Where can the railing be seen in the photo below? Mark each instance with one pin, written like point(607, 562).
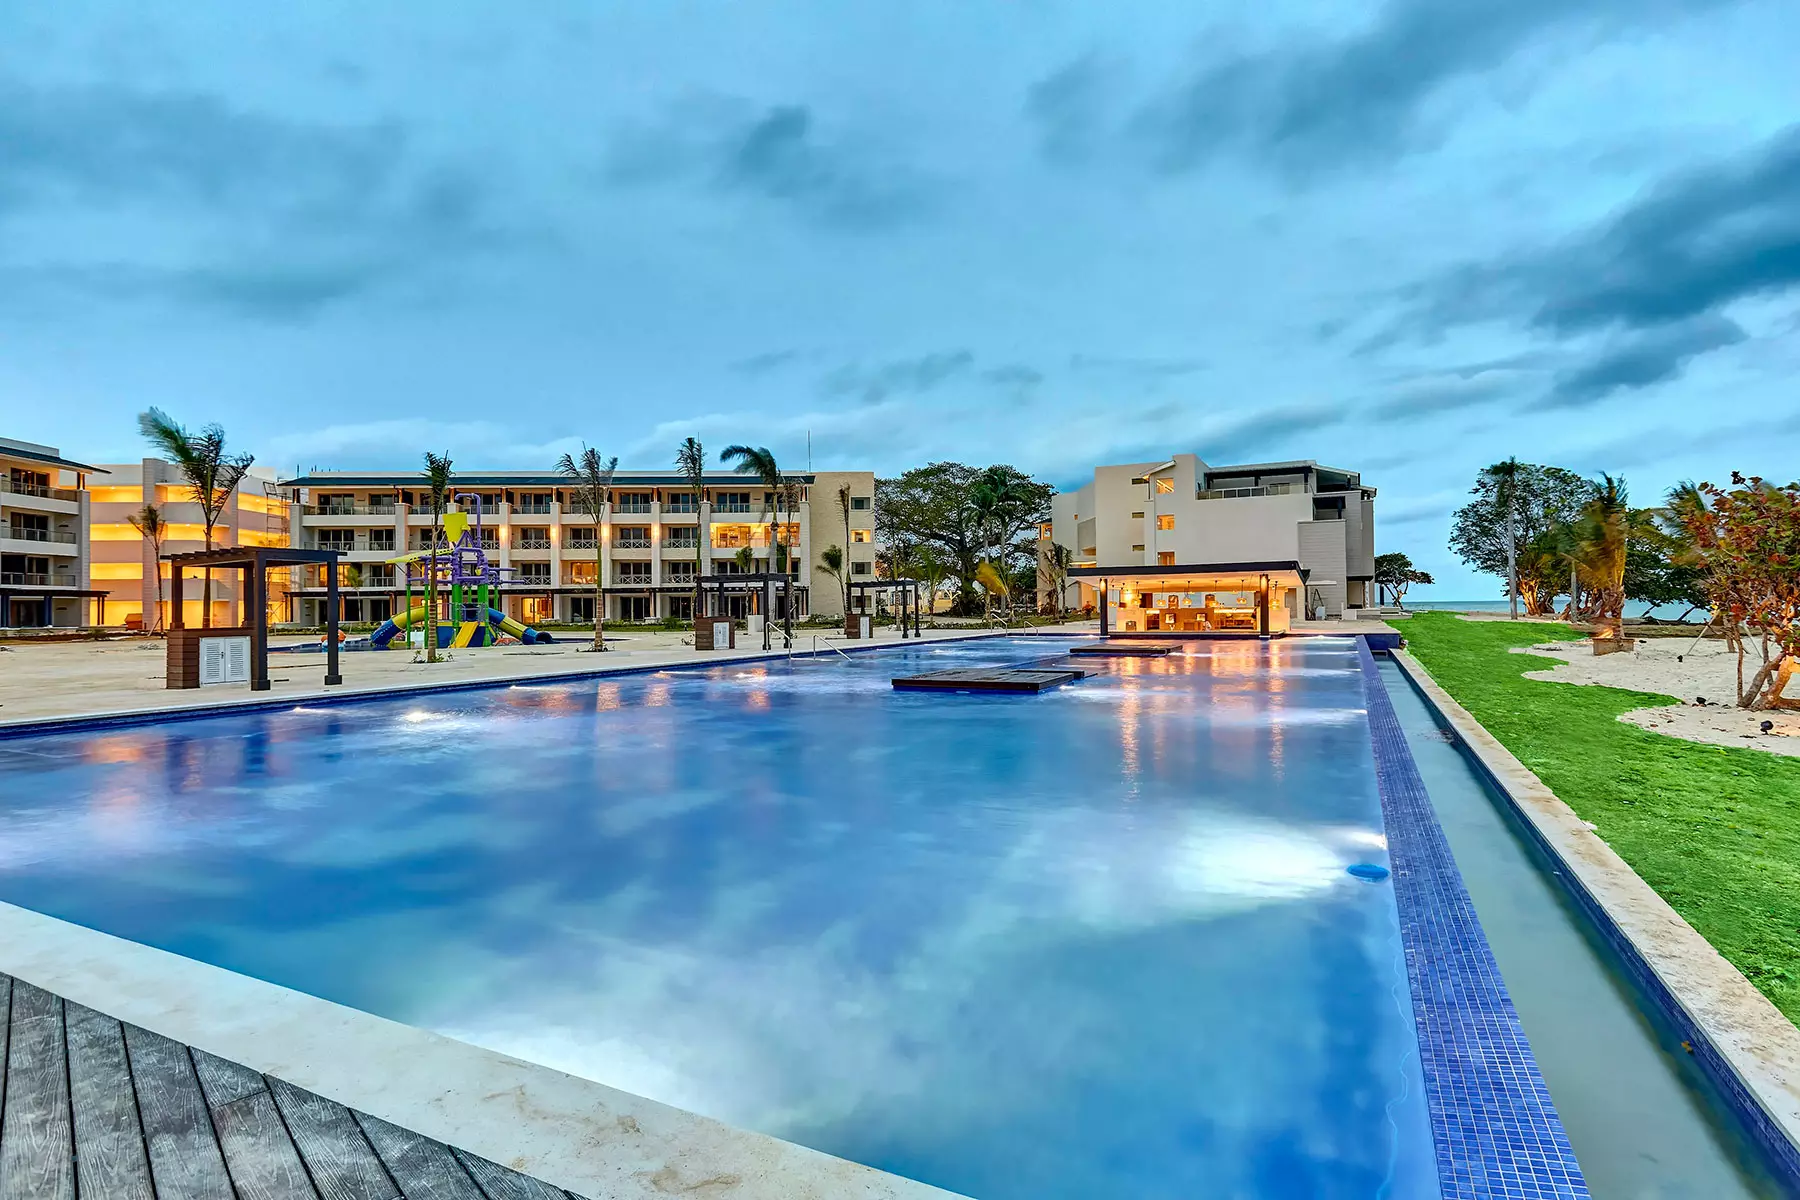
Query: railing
point(38, 579)
point(680, 508)
point(623, 578)
point(532, 508)
point(639, 508)
point(39, 490)
point(350, 545)
point(536, 580)
point(354, 508)
point(21, 533)
point(580, 544)
point(1273, 489)
point(531, 543)
point(731, 508)
point(631, 543)
point(681, 544)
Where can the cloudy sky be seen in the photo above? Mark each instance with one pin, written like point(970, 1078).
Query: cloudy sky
point(1408, 238)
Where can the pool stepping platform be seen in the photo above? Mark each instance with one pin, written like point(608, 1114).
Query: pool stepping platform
point(1119, 650)
point(1029, 680)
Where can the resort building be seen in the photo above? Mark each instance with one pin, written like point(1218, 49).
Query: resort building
point(1187, 535)
point(43, 537)
point(125, 562)
point(651, 534)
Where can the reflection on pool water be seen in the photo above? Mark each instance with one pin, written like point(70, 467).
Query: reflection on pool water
point(1099, 942)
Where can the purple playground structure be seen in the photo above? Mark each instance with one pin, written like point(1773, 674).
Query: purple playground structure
point(473, 583)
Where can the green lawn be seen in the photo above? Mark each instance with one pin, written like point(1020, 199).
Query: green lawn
point(1715, 830)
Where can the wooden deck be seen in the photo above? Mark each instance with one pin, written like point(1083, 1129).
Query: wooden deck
point(92, 1108)
point(990, 679)
point(1118, 650)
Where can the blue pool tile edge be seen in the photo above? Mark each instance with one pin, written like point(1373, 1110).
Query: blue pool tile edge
point(1496, 1131)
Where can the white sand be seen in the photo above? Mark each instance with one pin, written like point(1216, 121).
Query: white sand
point(1710, 670)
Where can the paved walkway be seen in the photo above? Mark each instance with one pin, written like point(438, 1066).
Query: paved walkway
point(92, 1108)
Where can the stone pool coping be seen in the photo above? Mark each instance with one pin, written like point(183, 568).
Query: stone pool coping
point(568, 1131)
point(1745, 1045)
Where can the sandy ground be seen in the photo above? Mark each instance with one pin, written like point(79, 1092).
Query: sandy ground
point(1710, 670)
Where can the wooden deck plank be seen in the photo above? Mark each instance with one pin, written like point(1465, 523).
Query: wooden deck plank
point(989, 679)
point(184, 1151)
point(109, 1141)
point(504, 1183)
point(424, 1169)
point(37, 1142)
point(343, 1164)
point(258, 1152)
point(224, 1082)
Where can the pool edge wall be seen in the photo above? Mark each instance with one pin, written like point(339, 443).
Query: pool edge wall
point(1738, 1036)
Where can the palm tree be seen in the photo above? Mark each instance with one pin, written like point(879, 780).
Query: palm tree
point(149, 524)
point(1601, 537)
point(1057, 560)
point(760, 462)
point(211, 474)
point(1506, 479)
point(591, 477)
point(843, 499)
point(690, 461)
point(831, 562)
point(437, 487)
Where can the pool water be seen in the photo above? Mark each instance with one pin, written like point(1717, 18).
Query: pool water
point(1098, 942)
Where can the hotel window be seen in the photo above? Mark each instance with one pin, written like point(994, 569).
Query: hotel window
point(680, 502)
point(1138, 549)
point(860, 535)
point(1137, 516)
point(862, 568)
point(1165, 558)
point(1165, 522)
point(859, 503)
point(1165, 486)
point(1138, 479)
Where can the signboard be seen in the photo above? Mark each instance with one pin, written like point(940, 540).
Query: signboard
point(721, 638)
point(224, 660)
point(865, 625)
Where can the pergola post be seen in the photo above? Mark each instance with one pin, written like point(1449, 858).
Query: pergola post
point(918, 599)
point(175, 604)
point(1105, 599)
point(331, 623)
point(256, 588)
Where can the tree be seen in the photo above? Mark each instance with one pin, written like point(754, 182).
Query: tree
point(760, 462)
point(1602, 536)
point(211, 475)
point(1747, 540)
point(1506, 485)
point(149, 524)
point(843, 499)
point(437, 488)
point(831, 562)
point(690, 461)
point(1395, 573)
point(1535, 502)
point(1655, 575)
point(939, 506)
point(1054, 561)
point(590, 478)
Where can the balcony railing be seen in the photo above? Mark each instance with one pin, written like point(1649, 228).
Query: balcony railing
point(580, 543)
point(1273, 489)
point(38, 578)
point(681, 544)
point(631, 580)
point(531, 508)
point(350, 545)
point(39, 490)
point(24, 534)
point(631, 543)
point(354, 508)
point(640, 507)
point(531, 543)
point(541, 579)
point(729, 507)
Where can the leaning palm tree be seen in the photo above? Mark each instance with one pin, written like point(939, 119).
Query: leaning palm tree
point(1601, 536)
point(149, 524)
point(690, 462)
point(591, 477)
point(211, 474)
point(831, 562)
point(760, 462)
point(437, 487)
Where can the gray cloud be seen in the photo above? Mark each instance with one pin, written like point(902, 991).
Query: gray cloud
point(764, 363)
point(1690, 245)
point(775, 154)
point(1134, 368)
point(1066, 107)
point(1307, 106)
point(913, 376)
point(1640, 359)
point(293, 217)
point(1018, 375)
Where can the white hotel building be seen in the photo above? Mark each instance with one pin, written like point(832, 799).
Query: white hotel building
point(546, 544)
point(1198, 519)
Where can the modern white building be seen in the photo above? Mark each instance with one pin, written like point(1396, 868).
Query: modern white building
point(43, 538)
point(124, 561)
point(1200, 519)
point(651, 541)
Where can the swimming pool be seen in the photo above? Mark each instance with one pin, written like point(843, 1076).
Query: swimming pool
point(1099, 942)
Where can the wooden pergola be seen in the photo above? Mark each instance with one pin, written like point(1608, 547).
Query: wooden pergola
point(254, 562)
point(909, 600)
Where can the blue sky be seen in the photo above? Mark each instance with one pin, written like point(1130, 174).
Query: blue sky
point(1407, 238)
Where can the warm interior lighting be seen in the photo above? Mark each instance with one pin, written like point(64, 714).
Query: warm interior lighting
point(115, 570)
point(116, 495)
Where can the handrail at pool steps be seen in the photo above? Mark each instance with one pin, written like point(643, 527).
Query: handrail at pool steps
point(1744, 1045)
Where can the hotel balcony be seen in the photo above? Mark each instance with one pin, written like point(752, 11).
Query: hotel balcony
point(20, 540)
point(38, 497)
point(39, 578)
